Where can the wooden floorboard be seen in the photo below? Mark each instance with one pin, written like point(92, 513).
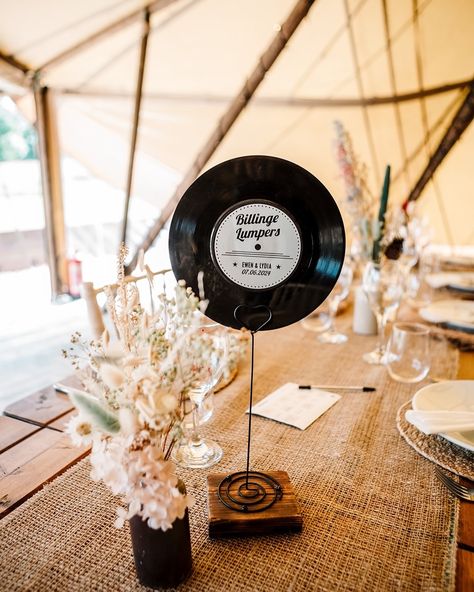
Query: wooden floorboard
point(28, 466)
point(44, 406)
point(13, 431)
point(464, 571)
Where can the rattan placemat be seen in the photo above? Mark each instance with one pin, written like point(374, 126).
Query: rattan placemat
point(436, 448)
point(375, 517)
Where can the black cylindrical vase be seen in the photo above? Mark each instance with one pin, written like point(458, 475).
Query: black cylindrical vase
point(162, 558)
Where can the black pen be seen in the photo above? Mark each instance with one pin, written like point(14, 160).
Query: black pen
point(364, 389)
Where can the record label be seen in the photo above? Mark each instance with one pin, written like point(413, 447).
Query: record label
point(256, 245)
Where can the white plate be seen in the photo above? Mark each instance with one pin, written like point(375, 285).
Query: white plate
point(460, 280)
point(458, 312)
point(452, 395)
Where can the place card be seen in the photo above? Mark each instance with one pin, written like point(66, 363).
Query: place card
point(295, 407)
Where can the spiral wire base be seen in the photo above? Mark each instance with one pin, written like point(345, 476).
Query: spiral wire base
point(249, 491)
point(246, 491)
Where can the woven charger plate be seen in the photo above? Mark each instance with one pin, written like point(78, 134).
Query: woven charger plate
point(436, 448)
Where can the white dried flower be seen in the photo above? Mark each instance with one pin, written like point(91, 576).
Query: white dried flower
point(112, 376)
point(128, 422)
point(138, 382)
point(80, 431)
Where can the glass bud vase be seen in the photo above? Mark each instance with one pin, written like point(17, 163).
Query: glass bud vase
point(162, 558)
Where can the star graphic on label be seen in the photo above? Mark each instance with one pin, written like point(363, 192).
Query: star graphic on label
point(278, 266)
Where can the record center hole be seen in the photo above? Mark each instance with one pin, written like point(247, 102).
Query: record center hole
point(258, 247)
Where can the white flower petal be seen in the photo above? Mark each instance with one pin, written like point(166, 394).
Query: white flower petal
point(112, 375)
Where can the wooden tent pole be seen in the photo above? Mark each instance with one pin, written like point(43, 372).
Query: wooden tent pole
point(238, 104)
point(129, 19)
point(15, 76)
point(48, 147)
point(14, 63)
point(279, 101)
point(136, 121)
point(458, 125)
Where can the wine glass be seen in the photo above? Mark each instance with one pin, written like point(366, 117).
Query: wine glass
point(383, 285)
point(409, 352)
point(339, 293)
point(202, 359)
point(318, 321)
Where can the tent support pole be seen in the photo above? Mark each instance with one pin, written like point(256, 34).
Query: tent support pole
point(458, 125)
point(48, 147)
point(14, 63)
point(118, 25)
point(136, 121)
point(238, 104)
point(280, 101)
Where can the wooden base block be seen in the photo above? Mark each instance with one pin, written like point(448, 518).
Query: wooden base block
point(283, 516)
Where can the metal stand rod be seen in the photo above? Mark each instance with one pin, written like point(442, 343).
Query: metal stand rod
point(252, 339)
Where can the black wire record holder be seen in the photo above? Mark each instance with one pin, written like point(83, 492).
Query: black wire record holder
point(250, 491)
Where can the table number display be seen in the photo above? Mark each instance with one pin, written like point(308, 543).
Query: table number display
point(267, 241)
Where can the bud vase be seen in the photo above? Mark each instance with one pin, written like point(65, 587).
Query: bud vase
point(162, 558)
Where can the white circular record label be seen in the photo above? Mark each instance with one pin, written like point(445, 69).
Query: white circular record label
point(256, 245)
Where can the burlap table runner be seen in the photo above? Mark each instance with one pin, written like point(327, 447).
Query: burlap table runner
point(375, 517)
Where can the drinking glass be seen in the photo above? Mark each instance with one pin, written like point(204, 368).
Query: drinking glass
point(203, 358)
point(409, 352)
point(317, 321)
point(339, 293)
point(383, 285)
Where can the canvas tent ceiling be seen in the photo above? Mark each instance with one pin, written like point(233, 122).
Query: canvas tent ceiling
point(199, 54)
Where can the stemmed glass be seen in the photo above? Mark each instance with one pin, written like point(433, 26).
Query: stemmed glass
point(203, 356)
point(383, 285)
point(318, 320)
point(339, 293)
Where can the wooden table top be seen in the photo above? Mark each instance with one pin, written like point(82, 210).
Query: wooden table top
point(33, 455)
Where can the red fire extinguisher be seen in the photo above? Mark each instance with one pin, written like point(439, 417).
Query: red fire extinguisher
point(74, 275)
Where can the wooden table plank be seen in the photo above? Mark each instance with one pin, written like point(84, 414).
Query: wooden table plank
point(465, 553)
point(464, 571)
point(466, 523)
point(45, 405)
point(27, 450)
point(13, 431)
point(32, 463)
point(60, 424)
point(466, 366)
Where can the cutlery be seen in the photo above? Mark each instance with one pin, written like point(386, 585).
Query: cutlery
point(61, 388)
point(457, 489)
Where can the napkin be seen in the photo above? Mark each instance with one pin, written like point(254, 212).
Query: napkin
point(295, 407)
point(439, 280)
point(440, 422)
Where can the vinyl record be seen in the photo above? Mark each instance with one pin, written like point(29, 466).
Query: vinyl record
point(266, 234)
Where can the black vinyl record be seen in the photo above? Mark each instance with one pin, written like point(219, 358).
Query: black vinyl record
point(266, 234)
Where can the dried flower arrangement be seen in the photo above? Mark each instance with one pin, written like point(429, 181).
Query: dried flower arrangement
point(360, 204)
point(375, 234)
point(133, 408)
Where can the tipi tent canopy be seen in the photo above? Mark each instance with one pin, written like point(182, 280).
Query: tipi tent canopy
point(397, 74)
